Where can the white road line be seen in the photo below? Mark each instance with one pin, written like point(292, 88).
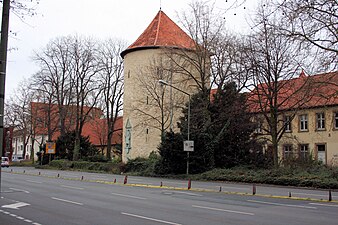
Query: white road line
point(33, 181)
point(128, 196)
point(280, 204)
point(14, 189)
point(148, 218)
point(19, 217)
point(71, 187)
point(187, 193)
point(223, 210)
point(64, 200)
point(324, 204)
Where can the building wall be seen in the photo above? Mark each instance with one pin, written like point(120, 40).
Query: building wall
point(144, 134)
point(322, 143)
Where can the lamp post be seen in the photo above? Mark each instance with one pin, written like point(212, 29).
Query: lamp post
point(188, 125)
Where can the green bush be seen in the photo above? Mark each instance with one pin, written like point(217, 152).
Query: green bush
point(112, 167)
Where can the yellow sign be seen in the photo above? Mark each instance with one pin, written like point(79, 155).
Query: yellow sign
point(50, 147)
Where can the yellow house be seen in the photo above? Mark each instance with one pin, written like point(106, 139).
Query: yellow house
point(309, 129)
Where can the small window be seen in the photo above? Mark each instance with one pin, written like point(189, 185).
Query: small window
point(303, 122)
point(287, 124)
point(287, 151)
point(320, 121)
point(335, 120)
point(304, 151)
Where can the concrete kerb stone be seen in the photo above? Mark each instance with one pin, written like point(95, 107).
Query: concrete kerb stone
point(181, 189)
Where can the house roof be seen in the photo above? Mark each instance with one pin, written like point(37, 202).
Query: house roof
point(298, 93)
point(161, 32)
point(94, 127)
point(97, 132)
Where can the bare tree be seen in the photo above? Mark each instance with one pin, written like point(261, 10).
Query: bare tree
point(112, 83)
point(85, 84)
point(19, 116)
point(159, 108)
point(313, 23)
point(273, 61)
point(54, 77)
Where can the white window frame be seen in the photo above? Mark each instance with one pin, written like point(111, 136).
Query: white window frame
point(304, 151)
point(287, 124)
point(320, 121)
point(287, 151)
point(303, 122)
point(335, 120)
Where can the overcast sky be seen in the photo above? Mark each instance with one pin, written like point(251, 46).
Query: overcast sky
point(123, 19)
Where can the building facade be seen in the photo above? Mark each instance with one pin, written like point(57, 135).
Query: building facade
point(309, 126)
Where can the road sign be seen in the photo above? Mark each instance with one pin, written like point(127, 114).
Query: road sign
point(188, 146)
point(50, 147)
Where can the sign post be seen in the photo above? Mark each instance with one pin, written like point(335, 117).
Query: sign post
point(50, 149)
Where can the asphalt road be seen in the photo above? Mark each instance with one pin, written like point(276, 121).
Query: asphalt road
point(47, 197)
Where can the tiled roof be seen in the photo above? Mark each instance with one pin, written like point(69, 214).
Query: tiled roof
point(161, 32)
point(302, 92)
point(97, 131)
point(94, 127)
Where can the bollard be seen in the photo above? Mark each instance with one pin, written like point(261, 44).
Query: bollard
point(289, 194)
point(24, 171)
point(58, 175)
point(39, 173)
point(189, 184)
point(161, 184)
point(11, 170)
point(330, 196)
point(81, 177)
point(253, 189)
point(114, 180)
point(220, 188)
point(125, 180)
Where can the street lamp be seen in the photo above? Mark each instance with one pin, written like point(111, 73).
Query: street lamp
point(188, 125)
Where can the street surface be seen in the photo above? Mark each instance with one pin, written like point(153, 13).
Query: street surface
point(49, 197)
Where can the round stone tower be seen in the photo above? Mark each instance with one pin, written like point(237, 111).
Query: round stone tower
point(150, 108)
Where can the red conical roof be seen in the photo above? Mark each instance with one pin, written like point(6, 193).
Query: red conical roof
point(161, 32)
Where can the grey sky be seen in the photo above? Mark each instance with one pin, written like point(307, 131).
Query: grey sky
point(99, 19)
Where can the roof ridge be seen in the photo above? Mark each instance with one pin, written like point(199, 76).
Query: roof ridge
point(158, 27)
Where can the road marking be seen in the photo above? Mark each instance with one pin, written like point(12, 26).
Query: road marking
point(280, 204)
point(64, 200)
point(15, 205)
point(128, 196)
point(223, 210)
point(324, 204)
point(148, 218)
point(19, 217)
point(33, 181)
point(187, 193)
point(71, 187)
point(14, 189)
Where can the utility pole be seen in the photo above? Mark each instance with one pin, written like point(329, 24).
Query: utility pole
point(3, 63)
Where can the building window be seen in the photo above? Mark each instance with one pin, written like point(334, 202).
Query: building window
point(258, 129)
point(335, 120)
point(287, 124)
point(303, 122)
point(304, 151)
point(287, 151)
point(320, 121)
